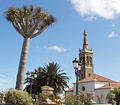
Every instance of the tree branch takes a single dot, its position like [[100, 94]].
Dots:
[[16, 26], [39, 32], [34, 27]]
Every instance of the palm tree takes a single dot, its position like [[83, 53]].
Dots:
[[56, 78], [35, 80], [29, 22], [50, 75]]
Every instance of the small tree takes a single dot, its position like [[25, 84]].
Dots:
[[116, 91], [110, 97], [17, 97], [114, 95]]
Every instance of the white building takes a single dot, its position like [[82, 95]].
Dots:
[[88, 81]]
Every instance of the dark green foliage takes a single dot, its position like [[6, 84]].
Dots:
[[17, 97], [116, 92], [50, 75]]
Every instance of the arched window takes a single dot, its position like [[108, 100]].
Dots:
[[90, 60], [87, 60], [83, 88], [89, 74]]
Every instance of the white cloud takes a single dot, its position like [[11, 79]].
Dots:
[[91, 18], [56, 48], [112, 34], [107, 9]]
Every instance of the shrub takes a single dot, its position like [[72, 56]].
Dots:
[[73, 100], [77, 100], [17, 97]]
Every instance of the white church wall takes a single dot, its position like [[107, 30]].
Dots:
[[99, 84], [100, 95], [89, 86]]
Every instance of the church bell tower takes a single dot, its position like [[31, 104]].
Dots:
[[85, 59]]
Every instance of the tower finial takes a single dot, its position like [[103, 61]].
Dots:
[[85, 33], [85, 43]]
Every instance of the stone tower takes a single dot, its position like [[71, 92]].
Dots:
[[85, 59]]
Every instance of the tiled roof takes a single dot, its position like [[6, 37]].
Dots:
[[96, 77], [110, 86]]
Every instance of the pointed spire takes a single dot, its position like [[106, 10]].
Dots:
[[85, 43]]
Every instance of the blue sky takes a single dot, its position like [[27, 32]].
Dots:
[[61, 41]]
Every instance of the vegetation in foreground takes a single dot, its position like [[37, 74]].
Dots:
[[114, 94], [77, 100], [17, 97]]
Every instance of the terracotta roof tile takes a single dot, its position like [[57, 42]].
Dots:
[[110, 86], [96, 77]]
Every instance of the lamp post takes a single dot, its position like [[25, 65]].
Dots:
[[31, 82], [77, 67]]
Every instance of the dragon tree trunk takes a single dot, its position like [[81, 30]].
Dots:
[[22, 64]]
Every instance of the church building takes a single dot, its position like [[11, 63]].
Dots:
[[88, 81]]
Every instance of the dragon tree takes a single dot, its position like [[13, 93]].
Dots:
[[29, 22]]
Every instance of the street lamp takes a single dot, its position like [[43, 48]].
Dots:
[[77, 67]]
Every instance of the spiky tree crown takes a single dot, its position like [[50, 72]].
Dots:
[[29, 21]]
